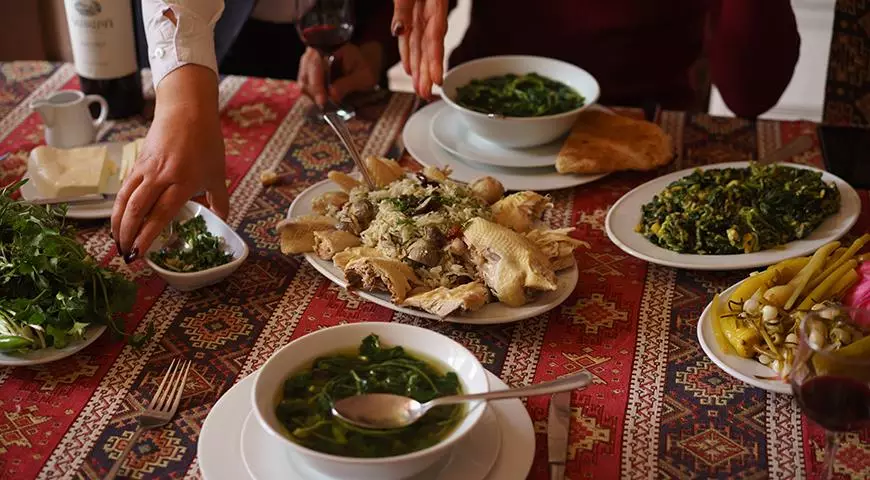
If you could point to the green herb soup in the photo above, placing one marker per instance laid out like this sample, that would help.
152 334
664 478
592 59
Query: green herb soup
306 402
529 95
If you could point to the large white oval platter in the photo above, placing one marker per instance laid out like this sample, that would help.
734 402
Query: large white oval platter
423 147
746 369
625 215
491 313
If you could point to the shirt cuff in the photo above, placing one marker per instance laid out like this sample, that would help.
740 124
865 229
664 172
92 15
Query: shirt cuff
189 41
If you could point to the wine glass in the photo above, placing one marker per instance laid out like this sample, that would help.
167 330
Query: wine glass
326 25
830 374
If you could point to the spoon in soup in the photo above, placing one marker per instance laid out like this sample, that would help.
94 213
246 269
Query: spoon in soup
383 411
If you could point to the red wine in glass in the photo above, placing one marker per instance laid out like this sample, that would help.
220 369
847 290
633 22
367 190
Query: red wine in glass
327 39
325 26
839 404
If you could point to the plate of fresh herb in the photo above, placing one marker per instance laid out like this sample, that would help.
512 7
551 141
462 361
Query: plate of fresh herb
55 299
199 249
733 216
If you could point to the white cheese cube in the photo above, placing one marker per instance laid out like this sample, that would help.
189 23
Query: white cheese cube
128 156
58 173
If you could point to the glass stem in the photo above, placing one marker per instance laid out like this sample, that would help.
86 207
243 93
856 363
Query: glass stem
329 60
832 441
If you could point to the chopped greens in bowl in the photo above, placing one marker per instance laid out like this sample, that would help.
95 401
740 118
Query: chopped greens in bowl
511 95
738 210
192 249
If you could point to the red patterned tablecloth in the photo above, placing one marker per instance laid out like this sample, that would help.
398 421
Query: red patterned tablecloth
658 408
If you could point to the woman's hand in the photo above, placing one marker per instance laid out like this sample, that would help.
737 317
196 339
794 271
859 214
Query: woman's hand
359 72
183 154
421 26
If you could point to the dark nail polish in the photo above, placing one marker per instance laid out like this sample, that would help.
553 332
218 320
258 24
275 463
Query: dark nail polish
128 258
398 29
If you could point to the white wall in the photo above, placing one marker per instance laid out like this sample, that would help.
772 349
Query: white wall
802 99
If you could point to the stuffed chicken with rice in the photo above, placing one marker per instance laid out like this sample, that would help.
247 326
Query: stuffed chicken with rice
433 243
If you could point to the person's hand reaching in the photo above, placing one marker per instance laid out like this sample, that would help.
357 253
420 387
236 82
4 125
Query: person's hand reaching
421 26
183 154
358 73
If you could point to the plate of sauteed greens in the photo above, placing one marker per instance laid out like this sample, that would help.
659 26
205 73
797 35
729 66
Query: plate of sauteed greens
751 330
733 216
426 245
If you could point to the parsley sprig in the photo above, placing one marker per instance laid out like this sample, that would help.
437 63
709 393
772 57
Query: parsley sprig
51 290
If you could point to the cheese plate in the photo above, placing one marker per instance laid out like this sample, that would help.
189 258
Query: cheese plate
97 209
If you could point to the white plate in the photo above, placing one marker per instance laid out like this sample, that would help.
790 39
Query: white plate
744 369
625 215
38 357
472 458
490 313
220 459
90 210
452 134
420 144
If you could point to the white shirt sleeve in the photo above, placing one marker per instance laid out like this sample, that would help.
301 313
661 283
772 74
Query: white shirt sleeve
189 40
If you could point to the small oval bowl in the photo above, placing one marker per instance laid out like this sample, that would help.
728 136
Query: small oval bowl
186 282
298 355
520 132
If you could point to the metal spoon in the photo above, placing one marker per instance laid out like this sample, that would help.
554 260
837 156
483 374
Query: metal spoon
383 411
340 129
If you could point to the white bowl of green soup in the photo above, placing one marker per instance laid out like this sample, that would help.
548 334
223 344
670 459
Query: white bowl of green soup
295 389
519 101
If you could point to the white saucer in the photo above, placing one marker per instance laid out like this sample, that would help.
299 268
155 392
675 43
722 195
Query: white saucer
90 210
490 313
472 458
46 355
420 144
626 214
220 459
745 369
452 134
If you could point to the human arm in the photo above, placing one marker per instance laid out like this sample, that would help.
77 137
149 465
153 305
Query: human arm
363 62
183 152
753 50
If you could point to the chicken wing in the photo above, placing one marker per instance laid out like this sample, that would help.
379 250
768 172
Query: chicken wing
520 210
509 263
383 274
329 242
297 234
443 301
329 202
383 171
557 245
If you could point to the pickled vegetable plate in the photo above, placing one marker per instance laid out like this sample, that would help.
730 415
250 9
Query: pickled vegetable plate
747 370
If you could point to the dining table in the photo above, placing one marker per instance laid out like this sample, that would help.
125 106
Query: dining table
658 407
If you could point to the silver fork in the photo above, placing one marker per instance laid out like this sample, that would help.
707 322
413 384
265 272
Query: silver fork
160 410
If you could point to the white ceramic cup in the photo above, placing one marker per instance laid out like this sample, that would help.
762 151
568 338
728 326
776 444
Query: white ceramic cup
67 118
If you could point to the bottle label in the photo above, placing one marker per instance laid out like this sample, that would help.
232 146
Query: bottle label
101 34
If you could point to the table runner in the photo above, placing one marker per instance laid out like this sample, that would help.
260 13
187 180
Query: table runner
658 407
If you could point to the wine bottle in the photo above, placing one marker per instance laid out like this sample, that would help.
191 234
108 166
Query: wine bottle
104 53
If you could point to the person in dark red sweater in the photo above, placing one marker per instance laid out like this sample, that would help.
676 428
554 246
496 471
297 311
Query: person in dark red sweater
639 50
